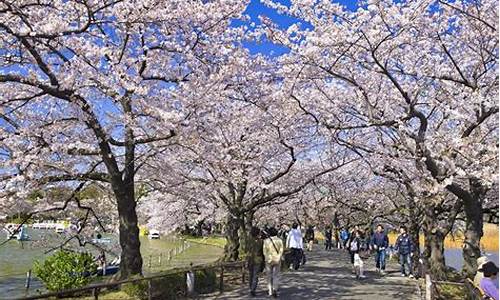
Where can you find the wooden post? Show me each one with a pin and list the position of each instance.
(95, 293)
(221, 279)
(428, 287)
(28, 280)
(243, 273)
(190, 281)
(150, 290)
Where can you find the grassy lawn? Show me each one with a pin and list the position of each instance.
(212, 240)
(110, 296)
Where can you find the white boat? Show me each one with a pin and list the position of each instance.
(154, 235)
(14, 232)
(101, 241)
(60, 229)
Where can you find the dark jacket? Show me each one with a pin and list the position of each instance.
(255, 252)
(380, 240)
(328, 234)
(309, 234)
(404, 244)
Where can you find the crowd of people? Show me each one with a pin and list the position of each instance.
(271, 250)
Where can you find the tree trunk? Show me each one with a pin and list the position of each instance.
(414, 229)
(434, 244)
(131, 259)
(244, 231)
(472, 237)
(231, 250)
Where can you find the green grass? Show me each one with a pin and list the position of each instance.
(119, 295)
(450, 292)
(212, 240)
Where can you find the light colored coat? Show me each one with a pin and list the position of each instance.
(273, 253)
(294, 239)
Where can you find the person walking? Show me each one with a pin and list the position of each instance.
(295, 244)
(310, 237)
(405, 248)
(379, 243)
(344, 237)
(255, 258)
(354, 247)
(273, 251)
(328, 238)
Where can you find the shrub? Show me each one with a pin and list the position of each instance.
(65, 270)
(205, 281)
(136, 290)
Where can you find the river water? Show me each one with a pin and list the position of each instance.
(455, 260)
(16, 258)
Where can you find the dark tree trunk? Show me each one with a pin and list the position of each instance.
(434, 243)
(434, 254)
(131, 259)
(244, 231)
(232, 248)
(199, 228)
(472, 237)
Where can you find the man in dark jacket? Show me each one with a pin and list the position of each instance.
(379, 242)
(328, 238)
(405, 248)
(255, 258)
(310, 237)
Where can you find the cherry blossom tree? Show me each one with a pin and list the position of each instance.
(87, 91)
(419, 76)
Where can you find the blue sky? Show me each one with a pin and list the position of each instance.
(256, 8)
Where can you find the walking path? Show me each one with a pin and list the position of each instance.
(328, 275)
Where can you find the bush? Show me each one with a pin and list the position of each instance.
(205, 281)
(136, 290)
(65, 270)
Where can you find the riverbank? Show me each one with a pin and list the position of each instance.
(17, 258)
(489, 241)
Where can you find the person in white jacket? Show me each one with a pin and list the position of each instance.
(294, 243)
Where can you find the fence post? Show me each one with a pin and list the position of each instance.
(428, 287)
(28, 279)
(95, 293)
(243, 273)
(150, 290)
(221, 279)
(190, 281)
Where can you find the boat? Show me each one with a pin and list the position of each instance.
(154, 235)
(60, 229)
(109, 270)
(14, 232)
(101, 241)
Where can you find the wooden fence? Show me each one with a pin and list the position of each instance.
(97, 289)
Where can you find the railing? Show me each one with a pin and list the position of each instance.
(154, 283)
(165, 258)
(431, 290)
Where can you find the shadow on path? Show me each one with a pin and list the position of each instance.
(328, 275)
